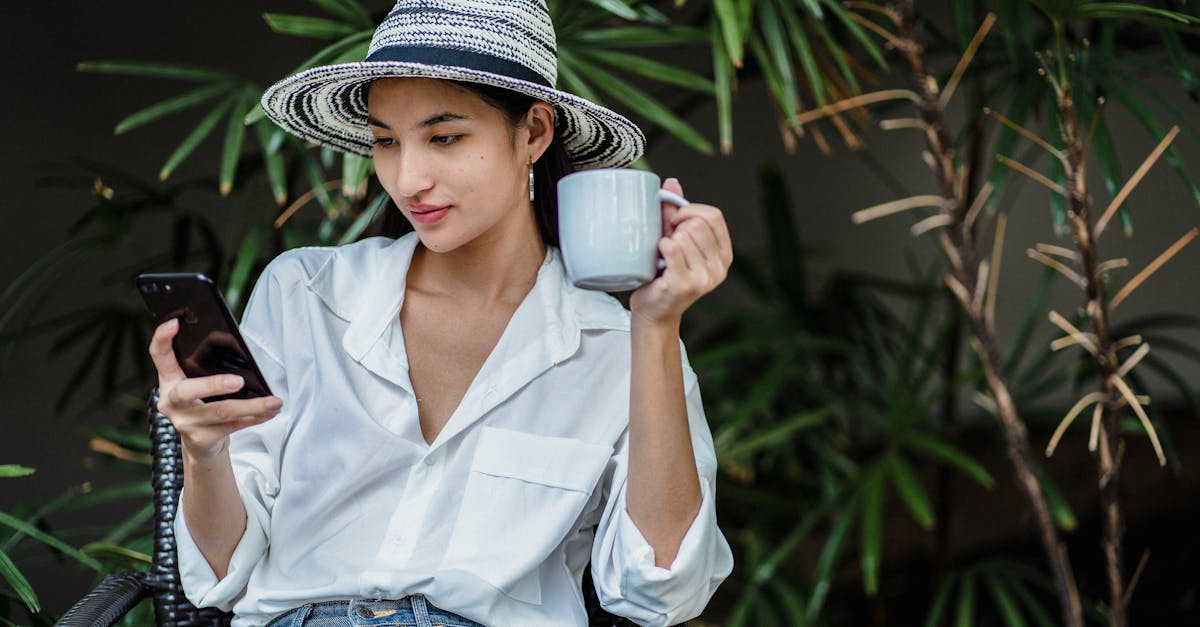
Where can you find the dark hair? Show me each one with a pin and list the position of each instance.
(553, 165)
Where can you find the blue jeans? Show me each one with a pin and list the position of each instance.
(411, 611)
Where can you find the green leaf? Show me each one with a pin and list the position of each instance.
(619, 8)
(155, 70)
(778, 56)
(355, 170)
(239, 277)
(638, 36)
(726, 16)
(1004, 601)
(349, 10)
(305, 26)
(938, 450)
(911, 491)
(724, 84)
(167, 107)
(871, 531)
(21, 526)
(965, 616)
(1060, 510)
(202, 130)
(1031, 604)
(857, 32)
(839, 55)
(19, 583)
(110, 550)
(122, 531)
(649, 68)
(270, 135)
(651, 109)
(1183, 65)
(364, 219)
(235, 136)
(13, 470)
(933, 617)
(779, 435)
(793, 604)
(804, 52)
(827, 562)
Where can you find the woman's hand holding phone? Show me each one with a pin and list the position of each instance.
(204, 428)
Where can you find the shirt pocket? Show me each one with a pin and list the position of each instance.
(523, 495)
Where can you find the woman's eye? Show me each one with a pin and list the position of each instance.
(383, 141)
(445, 140)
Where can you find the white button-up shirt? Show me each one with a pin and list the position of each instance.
(497, 518)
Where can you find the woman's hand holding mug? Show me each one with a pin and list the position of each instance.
(619, 230)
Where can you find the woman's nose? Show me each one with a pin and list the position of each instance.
(412, 175)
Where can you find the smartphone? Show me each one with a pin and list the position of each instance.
(208, 341)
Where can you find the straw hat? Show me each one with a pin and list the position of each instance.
(503, 43)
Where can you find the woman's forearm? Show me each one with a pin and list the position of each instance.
(213, 508)
(663, 493)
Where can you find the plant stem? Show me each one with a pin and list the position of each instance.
(959, 247)
(1112, 445)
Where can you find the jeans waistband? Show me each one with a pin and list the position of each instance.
(410, 611)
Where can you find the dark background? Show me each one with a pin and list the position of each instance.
(54, 116)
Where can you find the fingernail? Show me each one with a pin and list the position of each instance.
(233, 382)
(273, 403)
(172, 323)
(672, 180)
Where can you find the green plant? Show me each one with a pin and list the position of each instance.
(831, 404)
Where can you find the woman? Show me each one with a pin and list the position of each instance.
(457, 430)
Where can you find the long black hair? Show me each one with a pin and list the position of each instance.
(551, 166)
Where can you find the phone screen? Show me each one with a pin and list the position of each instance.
(208, 341)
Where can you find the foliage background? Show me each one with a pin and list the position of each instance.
(63, 116)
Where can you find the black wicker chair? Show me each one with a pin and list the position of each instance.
(120, 592)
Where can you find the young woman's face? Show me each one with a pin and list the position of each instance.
(452, 163)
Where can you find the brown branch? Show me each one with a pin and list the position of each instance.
(1171, 251)
(895, 206)
(1134, 180)
(1033, 174)
(965, 60)
(958, 243)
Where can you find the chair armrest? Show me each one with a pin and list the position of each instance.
(105, 605)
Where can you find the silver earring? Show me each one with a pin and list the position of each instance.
(531, 182)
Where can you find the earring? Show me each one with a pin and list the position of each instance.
(531, 182)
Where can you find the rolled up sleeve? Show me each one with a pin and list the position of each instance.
(627, 580)
(253, 452)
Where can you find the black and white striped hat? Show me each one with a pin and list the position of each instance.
(503, 43)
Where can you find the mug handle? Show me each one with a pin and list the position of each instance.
(678, 201)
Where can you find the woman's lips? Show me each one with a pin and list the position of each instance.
(428, 214)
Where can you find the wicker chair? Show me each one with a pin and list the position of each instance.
(120, 592)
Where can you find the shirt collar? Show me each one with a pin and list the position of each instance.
(363, 283)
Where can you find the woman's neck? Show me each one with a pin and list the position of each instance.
(500, 265)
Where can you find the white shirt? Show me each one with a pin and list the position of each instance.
(496, 519)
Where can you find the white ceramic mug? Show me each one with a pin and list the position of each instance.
(609, 224)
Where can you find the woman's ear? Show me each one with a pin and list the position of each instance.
(539, 122)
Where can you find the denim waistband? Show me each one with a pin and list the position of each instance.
(410, 611)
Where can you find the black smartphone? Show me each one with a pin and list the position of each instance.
(208, 341)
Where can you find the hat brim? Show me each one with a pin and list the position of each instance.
(327, 105)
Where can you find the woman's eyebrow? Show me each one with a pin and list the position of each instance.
(438, 118)
(445, 116)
